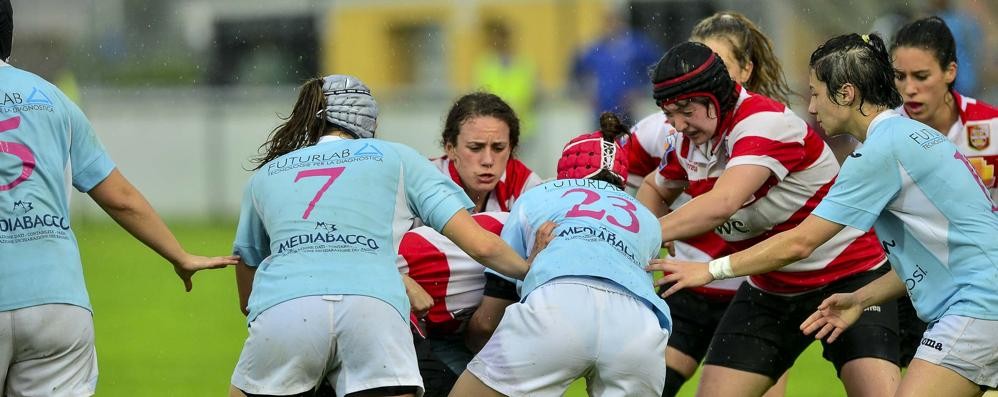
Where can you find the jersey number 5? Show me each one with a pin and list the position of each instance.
(592, 197)
(331, 173)
(20, 151)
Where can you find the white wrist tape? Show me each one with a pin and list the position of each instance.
(720, 268)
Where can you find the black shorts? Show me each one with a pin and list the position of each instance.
(694, 319)
(760, 332)
(438, 379)
(911, 329)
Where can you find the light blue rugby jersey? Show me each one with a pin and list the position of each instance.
(602, 232)
(46, 143)
(931, 212)
(327, 219)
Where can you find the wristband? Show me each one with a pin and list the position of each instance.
(720, 268)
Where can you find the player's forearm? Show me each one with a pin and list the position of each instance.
(699, 216)
(652, 198)
(772, 254)
(885, 288)
(126, 205)
(244, 285)
(500, 257)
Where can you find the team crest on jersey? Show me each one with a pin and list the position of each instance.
(979, 136)
(668, 146)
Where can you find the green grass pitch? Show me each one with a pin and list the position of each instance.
(153, 339)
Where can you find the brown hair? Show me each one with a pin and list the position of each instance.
(748, 44)
(302, 128)
(478, 104)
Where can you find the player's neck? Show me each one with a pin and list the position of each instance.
(947, 115)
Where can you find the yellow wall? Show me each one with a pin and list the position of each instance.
(358, 39)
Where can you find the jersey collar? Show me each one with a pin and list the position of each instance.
(328, 138)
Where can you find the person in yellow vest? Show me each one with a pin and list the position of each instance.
(513, 78)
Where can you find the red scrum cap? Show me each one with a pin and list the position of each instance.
(588, 154)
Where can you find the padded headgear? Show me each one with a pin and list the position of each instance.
(587, 154)
(349, 105)
(691, 70)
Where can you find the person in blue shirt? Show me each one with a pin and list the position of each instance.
(318, 234)
(46, 144)
(930, 209)
(588, 308)
(614, 70)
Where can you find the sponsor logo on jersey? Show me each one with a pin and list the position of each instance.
(668, 146)
(979, 136)
(329, 227)
(30, 222)
(13, 101)
(24, 206)
(598, 234)
(321, 242)
(926, 138)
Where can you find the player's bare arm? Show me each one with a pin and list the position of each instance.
(126, 205)
(733, 189)
(773, 253)
(839, 311)
(657, 198)
(244, 285)
(486, 248)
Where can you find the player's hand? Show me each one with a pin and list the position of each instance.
(190, 264)
(683, 274)
(419, 300)
(834, 315)
(542, 238)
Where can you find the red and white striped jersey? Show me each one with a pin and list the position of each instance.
(971, 133)
(650, 140)
(448, 274)
(514, 181)
(647, 143)
(764, 132)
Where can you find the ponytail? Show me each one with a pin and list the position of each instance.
(748, 45)
(302, 128)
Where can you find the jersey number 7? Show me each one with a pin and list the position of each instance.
(331, 173)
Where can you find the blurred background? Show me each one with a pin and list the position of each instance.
(182, 93)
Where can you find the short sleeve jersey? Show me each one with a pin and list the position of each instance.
(602, 232)
(453, 278)
(764, 132)
(650, 140)
(931, 211)
(512, 183)
(46, 144)
(972, 134)
(327, 219)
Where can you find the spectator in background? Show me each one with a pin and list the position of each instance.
(46, 145)
(967, 34)
(513, 78)
(613, 71)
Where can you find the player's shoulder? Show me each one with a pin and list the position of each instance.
(972, 109)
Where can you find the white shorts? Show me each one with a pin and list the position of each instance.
(968, 346)
(356, 342)
(570, 328)
(47, 350)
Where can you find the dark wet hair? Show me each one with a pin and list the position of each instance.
(302, 128)
(930, 34)
(748, 45)
(6, 29)
(480, 104)
(612, 129)
(862, 61)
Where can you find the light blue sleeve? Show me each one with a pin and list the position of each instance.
(432, 196)
(513, 231)
(252, 241)
(89, 161)
(868, 181)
